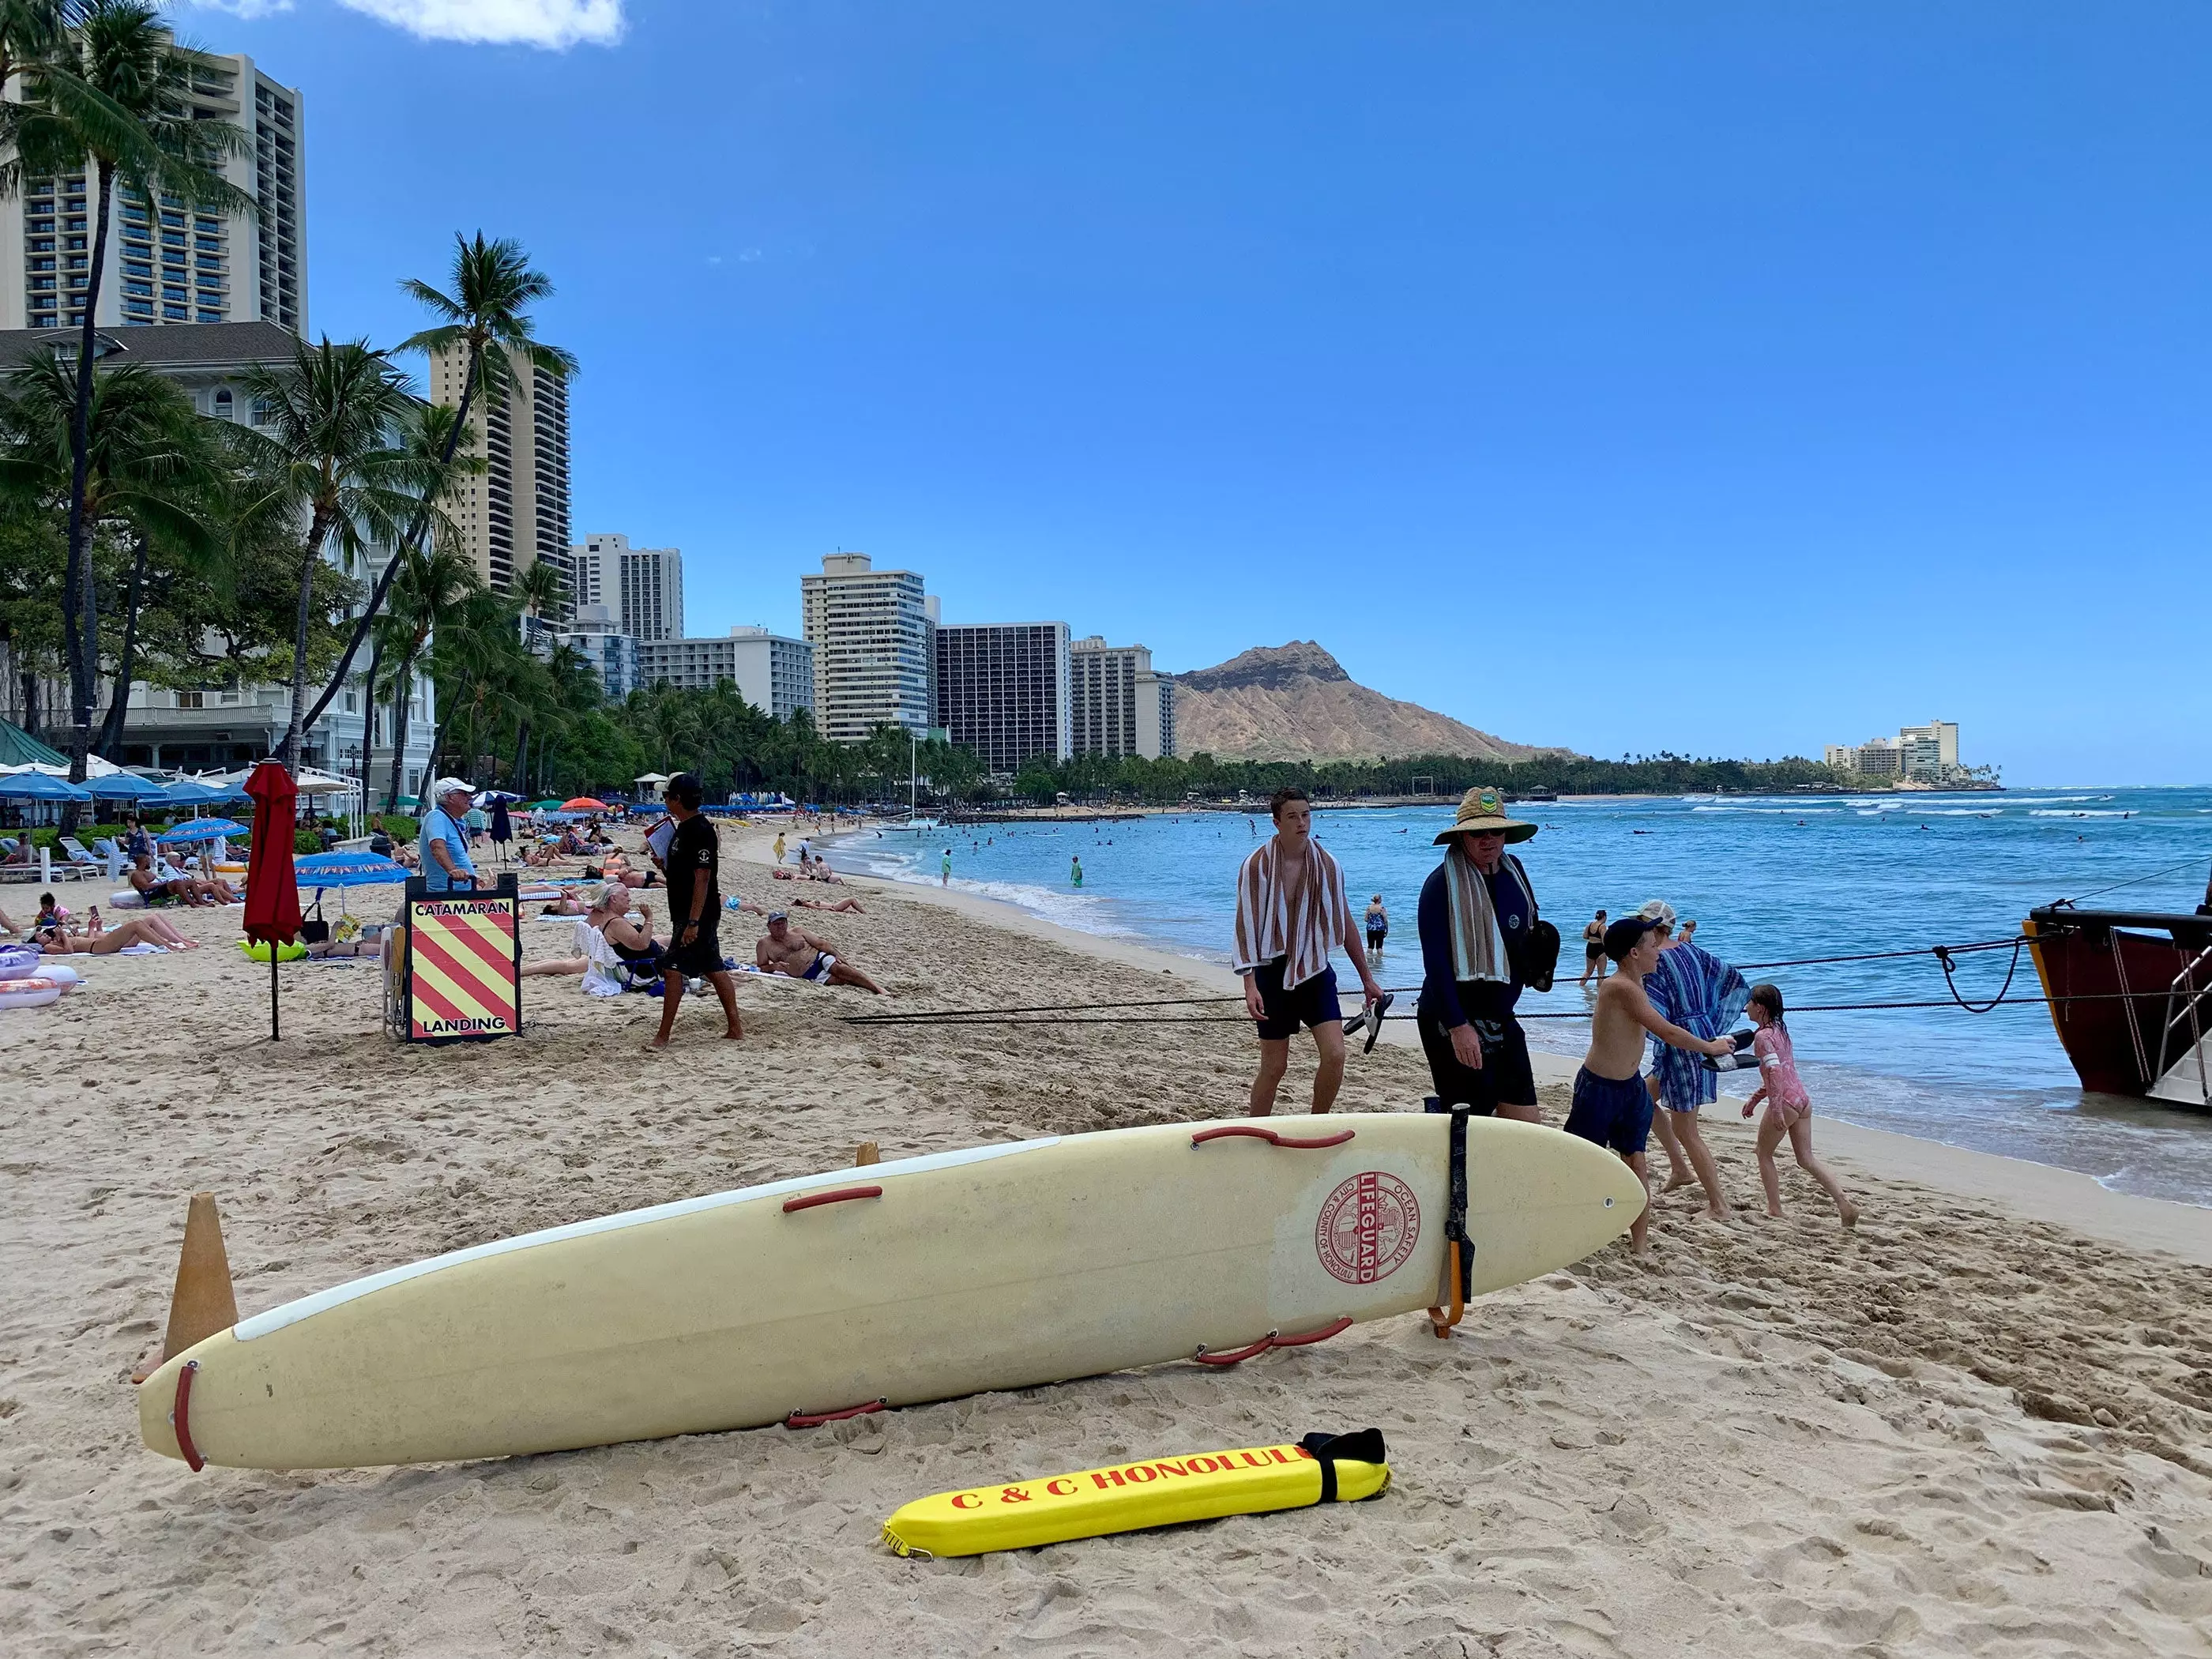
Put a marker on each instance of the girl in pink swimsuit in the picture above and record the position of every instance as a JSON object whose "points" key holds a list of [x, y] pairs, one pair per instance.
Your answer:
{"points": [[1789, 1108]]}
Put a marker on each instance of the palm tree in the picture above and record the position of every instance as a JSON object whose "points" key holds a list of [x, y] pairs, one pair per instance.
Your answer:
{"points": [[431, 589], [327, 446], [32, 36], [151, 467], [115, 90], [487, 314]]}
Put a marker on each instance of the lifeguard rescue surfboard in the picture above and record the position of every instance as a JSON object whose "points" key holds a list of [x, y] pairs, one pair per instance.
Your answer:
{"points": [[1000, 1267]]}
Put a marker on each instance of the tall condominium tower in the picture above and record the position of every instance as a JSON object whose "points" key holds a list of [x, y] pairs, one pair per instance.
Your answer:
{"points": [[1117, 705], [1002, 691], [870, 630], [641, 588], [165, 262], [515, 514]]}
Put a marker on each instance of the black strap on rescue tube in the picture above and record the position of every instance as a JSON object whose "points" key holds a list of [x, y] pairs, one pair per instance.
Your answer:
{"points": [[1360, 1446]]}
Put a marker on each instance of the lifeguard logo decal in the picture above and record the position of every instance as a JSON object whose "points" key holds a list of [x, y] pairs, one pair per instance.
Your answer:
{"points": [[1368, 1228]]}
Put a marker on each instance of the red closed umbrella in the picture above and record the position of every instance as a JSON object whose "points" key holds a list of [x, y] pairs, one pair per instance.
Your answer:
{"points": [[272, 893]]}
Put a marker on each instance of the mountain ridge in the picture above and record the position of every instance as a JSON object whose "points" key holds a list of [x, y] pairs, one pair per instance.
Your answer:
{"points": [[1296, 702]]}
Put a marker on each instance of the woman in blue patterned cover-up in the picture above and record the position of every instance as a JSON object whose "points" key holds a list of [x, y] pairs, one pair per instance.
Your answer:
{"points": [[1700, 993]]}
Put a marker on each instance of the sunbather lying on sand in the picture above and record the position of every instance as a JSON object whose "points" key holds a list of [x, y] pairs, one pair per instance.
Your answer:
{"points": [[785, 950], [851, 904], [130, 930]]}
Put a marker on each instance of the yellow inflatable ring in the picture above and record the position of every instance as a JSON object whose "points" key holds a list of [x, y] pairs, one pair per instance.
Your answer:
{"points": [[259, 952]]}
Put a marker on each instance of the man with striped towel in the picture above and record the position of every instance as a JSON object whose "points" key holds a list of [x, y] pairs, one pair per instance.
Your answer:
{"points": [[1292, 912], [1476, 913]]}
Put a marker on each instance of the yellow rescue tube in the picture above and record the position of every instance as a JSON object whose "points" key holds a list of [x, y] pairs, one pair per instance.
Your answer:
{"points": [[1161, 1492]]}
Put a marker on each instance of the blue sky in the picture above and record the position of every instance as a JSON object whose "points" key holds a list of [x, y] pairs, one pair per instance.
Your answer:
{"points": [[1725, 378]]}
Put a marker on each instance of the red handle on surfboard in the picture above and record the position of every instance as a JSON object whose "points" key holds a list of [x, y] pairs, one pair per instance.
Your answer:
{"points": [[1321, 1335], [181, 1417], [815, 1420], [1273, 1339], [1271, 1137], [836, 1196]]}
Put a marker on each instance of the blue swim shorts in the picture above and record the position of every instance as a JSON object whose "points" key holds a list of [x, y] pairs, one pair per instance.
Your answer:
{"points": [[1613, 1111]]}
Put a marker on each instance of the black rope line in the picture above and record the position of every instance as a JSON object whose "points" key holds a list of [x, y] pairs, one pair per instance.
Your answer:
{"points": [[2000, 1001], [1937, 950], [2136, 881]]}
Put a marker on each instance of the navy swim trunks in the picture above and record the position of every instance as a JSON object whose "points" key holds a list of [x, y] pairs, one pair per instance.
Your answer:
{"points": [[1312, 1002], [1614, 1112]]}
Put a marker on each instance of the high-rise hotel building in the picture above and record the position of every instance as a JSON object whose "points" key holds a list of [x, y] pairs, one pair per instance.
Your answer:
{"points": [[1117, 705], [641, 588], [515, 513], [873, 652], [1002, 691], [165, 262]]}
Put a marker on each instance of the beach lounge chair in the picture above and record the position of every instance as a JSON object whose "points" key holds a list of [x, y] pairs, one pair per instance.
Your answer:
{"points": [[112, 862], [76, 863]]}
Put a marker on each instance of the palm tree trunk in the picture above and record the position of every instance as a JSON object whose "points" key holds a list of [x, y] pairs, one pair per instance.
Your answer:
{"points": [[402, 700], [368, 713], [126, 663], [80, 614], [437, 739], [311, 557], [521, 748], [414, 537]]}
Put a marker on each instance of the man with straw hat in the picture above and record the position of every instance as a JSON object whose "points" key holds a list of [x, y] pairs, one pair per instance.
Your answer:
{"points": [[1479, 945]]}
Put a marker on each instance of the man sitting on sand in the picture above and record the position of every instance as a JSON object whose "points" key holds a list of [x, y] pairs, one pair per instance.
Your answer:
{"points": [[1611, 1106], [785, 950], [184, 888]]}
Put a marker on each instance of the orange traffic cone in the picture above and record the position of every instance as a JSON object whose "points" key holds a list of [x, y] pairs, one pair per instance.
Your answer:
{"points": [[202, 1302]]}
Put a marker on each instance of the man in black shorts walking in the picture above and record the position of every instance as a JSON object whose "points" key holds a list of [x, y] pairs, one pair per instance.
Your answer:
{"points": [[1476, 913], [694, 909], [1292, 913]]}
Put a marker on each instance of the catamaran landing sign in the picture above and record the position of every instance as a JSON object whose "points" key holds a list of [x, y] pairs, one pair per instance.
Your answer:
{"points": [[462, 980]]}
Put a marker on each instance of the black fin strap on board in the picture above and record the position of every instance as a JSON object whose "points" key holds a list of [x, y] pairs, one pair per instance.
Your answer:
{"points": [[1455, 1207], [1360, 1446]]}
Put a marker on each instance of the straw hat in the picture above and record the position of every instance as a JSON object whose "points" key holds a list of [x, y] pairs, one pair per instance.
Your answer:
{"points": [[1484, 809]]}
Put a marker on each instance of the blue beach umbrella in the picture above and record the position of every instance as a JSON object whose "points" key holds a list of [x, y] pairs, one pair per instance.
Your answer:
{"points": [[126, 786], [36, 786], [203, 830], [347, 870], [188, 791]]}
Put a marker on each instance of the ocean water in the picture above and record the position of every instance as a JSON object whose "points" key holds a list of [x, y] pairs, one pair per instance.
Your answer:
{"points": [[1769, 879]]}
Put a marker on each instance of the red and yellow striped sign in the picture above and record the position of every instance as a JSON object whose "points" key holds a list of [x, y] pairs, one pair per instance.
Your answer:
{"points": [[462, 979]]}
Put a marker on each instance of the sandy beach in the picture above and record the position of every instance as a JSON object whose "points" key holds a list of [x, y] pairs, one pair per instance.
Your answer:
{"points": [[1981, 1423]]}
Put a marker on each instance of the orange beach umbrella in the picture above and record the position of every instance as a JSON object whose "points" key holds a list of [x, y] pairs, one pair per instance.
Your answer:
{"points": [[584, 803]]}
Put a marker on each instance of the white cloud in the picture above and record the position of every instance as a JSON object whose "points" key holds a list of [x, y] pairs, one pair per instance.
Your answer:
{"points": [[558, 24], [248, 10]]}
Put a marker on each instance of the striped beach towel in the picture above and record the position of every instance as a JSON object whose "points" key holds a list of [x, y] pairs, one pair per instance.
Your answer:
{"points": [[1703, 995], [1478, 943], [1279, 916]]}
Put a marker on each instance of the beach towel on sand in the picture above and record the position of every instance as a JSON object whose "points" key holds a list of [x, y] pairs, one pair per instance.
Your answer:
{"points": [[1301, 926], [1703, 995]]}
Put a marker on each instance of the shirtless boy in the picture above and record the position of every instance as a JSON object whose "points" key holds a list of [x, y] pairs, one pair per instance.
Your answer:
{"points": [[785, 950], [1611, 1105]]}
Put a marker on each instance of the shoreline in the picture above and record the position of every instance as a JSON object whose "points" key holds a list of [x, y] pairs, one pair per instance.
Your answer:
{"points": [[1949, 1430], [2032, 1192]]}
